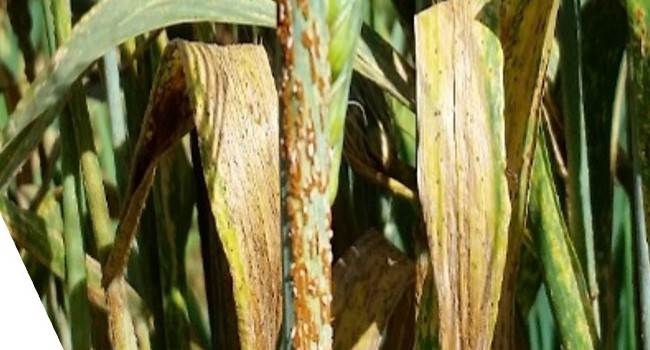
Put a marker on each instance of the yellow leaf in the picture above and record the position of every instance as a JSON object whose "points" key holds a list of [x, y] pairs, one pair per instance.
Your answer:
{"points": [[461, 168]]}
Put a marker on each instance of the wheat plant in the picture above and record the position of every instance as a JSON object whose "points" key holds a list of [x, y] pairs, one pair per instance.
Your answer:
{"points": [[330, 174]]}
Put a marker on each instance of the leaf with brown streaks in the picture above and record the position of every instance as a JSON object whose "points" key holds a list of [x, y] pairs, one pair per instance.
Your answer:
{"points": [[236, 115], [526, 33], [229, 95], [167, 119], [461, 168], [368, 282]]}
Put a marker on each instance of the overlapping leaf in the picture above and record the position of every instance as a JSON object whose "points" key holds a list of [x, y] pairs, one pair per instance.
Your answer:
{"points": [[526, 31]]}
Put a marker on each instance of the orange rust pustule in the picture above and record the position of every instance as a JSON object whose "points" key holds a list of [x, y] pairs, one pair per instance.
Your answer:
{"points": [[303, 5], [305, 153]]}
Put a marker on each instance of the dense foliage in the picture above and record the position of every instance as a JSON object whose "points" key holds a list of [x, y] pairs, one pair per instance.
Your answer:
{"points": [[330, 173]]}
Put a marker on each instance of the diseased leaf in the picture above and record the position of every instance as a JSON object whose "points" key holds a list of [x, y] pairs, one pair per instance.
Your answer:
{"points": [[229, 95], [111, 22], [368, 283], [107, 24], [399, 332], [461, 168], [426, 333], [564, 278], [236, 117], [168, 118], [526, 29]]}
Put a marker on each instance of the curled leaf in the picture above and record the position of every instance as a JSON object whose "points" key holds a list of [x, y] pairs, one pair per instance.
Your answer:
{"points": [[228, 94]]}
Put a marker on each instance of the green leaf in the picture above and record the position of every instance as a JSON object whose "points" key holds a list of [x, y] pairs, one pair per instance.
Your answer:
{"points": [[575, 132], [604, 34], [378, 61], [29, 231], [344, 19], [173, 198], [563, 276]]}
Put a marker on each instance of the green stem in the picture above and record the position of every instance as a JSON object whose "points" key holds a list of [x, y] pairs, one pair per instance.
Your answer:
{"points": [[83, 134], [76, 278], [81, 131], [117, 117], [92, 173], [75, 256]]}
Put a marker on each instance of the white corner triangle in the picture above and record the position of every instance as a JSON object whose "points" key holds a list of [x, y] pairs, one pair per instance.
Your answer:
{"points": [[24, 324]]}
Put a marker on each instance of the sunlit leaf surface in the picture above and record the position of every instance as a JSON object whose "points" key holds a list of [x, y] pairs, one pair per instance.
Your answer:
{"points": [[461, 168], [229, 95]]}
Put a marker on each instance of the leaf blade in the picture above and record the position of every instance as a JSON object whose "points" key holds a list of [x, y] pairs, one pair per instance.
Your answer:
{"points": [[461, 135]]}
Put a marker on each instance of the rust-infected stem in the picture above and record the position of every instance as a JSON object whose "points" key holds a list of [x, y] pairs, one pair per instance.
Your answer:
{"points": [[305, 159]]}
